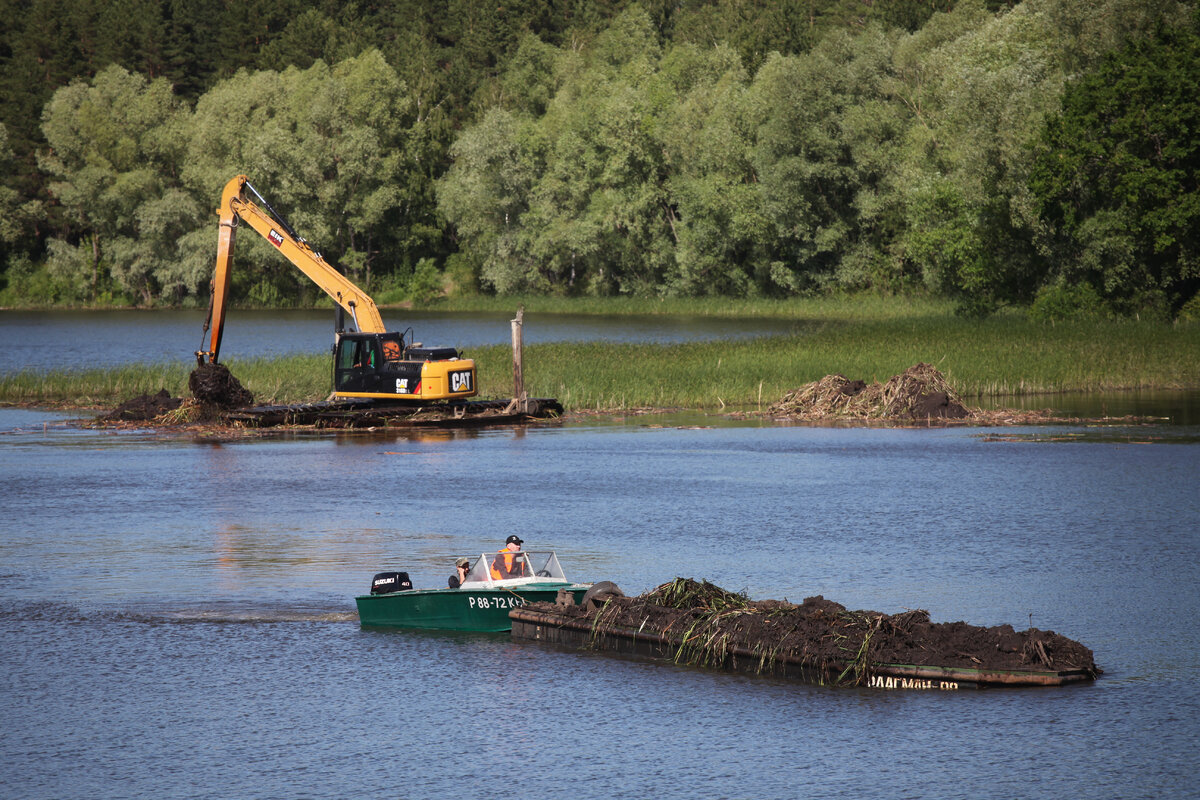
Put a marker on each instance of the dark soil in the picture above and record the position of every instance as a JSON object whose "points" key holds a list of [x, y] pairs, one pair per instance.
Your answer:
{"points": [[821, 632], [144, 407], [214, 385]]}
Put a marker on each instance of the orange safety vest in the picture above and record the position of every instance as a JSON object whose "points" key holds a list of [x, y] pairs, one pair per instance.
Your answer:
{"points": [[503, 567]]}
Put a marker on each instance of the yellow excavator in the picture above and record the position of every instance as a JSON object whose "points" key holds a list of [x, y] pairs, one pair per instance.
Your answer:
{"points": [[368, 362]]}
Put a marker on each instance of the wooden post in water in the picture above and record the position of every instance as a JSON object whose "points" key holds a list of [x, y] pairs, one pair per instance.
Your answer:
{"points": [[520, 401]]}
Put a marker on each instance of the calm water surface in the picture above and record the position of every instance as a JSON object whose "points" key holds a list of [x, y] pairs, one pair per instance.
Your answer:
{"points": [[82, 339], [177, 617]]}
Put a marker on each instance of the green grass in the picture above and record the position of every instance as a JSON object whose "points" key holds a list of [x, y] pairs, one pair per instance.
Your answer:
{"points": [[93, 387], [996, 357], [1000, 356], [278, 380], [860, 307]]}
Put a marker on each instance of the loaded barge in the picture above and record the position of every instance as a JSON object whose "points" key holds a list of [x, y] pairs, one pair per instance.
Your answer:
{"points": [[817, 642]]}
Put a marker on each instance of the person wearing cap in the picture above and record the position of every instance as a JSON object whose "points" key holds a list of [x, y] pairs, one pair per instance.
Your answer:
{"points": [[462, 568], [506, 564]]}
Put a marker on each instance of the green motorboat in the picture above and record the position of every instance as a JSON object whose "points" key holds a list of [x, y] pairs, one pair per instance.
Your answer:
{"points": [[480, 603]]}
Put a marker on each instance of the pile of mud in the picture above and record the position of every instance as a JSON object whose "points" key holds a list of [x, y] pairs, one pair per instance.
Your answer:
{"points": [[214, 385], [919, 393], [819, 632], [144, 407]]}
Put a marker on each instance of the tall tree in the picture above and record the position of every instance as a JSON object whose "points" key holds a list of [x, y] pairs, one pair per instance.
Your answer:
{"points": [[486, 192], [113, 146], [16, 213], [717, 216], [39, 54], [326, 145], [826, 139], [132, 33], [980, 86], [1117, 178], [571, 200]]}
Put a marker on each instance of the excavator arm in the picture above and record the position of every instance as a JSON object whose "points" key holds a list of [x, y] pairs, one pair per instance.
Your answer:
{"points": [[368, 363], [236, 208]]}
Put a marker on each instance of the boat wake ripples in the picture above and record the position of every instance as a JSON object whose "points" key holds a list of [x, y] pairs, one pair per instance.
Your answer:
{"points": [[218, 613]]}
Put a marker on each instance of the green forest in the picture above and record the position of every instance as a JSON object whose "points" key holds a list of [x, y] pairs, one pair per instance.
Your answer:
{"points": [[1039, 155]]}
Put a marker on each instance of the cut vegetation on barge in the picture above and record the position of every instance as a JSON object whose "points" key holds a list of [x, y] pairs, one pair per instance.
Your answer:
{"points": [[819, 641]]}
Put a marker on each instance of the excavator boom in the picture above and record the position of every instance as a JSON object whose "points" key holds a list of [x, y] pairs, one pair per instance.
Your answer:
{"points": [[236, 208], [368, 363]]}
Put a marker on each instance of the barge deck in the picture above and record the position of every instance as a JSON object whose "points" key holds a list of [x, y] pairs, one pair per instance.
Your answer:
{"points": [[362, 413], [818, 642]]}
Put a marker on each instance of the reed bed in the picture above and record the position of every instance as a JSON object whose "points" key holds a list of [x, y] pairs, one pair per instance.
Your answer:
{"points": [[992, 358], [92, 388], [997, 357], [278, 380]]}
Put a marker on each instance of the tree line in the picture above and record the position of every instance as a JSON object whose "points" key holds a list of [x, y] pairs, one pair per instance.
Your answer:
{"points": [[1041, 154]]}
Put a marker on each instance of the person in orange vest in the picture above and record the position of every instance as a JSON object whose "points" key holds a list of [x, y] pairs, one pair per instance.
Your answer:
{"points": [[507, 564]]}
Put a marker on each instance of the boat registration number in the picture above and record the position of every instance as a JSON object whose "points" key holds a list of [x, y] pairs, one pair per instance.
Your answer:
{"points": [[885, 682], [495, 602]]}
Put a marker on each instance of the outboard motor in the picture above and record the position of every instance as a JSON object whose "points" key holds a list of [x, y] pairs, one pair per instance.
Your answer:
{"points": [[388, 582]]}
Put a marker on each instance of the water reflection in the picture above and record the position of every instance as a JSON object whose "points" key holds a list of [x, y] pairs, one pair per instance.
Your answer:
{"points": [[1116, 434], [1170, 406]]}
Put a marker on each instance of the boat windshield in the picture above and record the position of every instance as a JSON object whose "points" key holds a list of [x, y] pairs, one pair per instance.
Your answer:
{"points": [[523, 566]]}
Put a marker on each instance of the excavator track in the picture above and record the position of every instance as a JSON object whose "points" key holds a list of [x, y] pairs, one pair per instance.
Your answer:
{"points": [[364, 413]]}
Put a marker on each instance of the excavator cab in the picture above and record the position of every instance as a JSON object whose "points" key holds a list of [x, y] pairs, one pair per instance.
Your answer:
{"points": [[378, 365]]}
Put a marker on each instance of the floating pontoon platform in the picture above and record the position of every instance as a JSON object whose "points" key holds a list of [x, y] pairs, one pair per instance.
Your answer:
{"points": [[366, 413]]}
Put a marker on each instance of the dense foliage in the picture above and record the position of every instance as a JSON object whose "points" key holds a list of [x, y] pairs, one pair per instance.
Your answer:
{"points": [[1116, 178], [1041, 152]]}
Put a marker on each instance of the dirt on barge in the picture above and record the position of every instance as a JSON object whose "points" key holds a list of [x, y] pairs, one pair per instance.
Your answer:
{"points": [[818, 641]]}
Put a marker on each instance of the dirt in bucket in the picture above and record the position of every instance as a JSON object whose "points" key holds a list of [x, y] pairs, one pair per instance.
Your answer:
{"points": [[214, 385]]}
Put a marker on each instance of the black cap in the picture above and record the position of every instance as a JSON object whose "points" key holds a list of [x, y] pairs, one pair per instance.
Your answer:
{"points": [[514, 539]]}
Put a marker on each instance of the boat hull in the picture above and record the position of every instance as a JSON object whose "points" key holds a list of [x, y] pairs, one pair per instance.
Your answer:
{"points": [[483, 609]]}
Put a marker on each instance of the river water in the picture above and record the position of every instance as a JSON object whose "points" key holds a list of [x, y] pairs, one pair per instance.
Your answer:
{"points": [[52, 340], [177, 616]]}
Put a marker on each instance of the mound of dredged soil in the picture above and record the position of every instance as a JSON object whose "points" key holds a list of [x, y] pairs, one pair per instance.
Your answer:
{"points": [[821, 632], [215, 385], [920, 392], [144, 407]]}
